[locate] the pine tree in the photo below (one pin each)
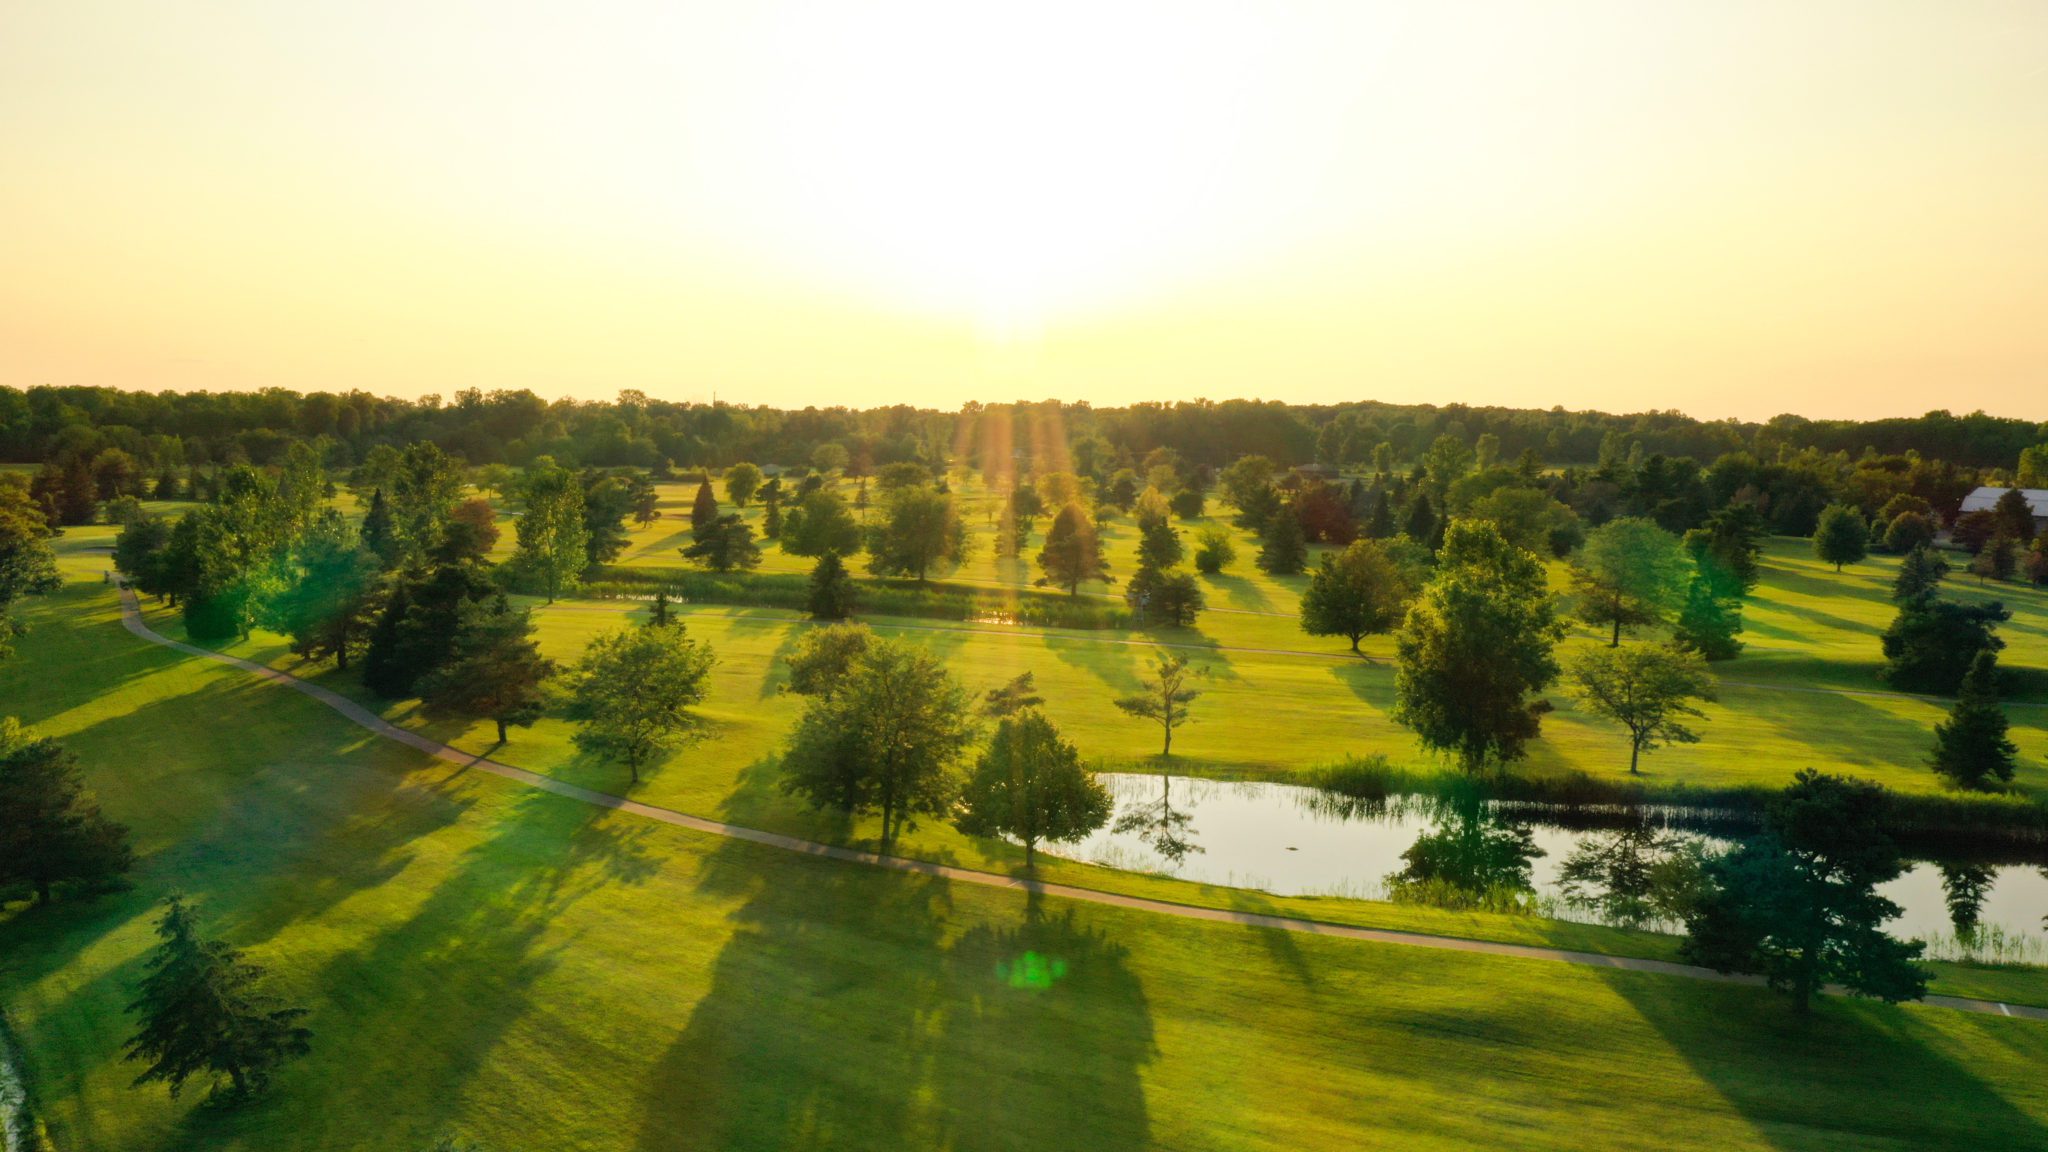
(1422, 522)
(203, 1014)
(725, 544)
(379, 534)
(1381, 525)
(1071, 553)
(832, 593)
(51, 828)
(496, 671)
(771, 518)
(658, 616)
(1920, 576)
(704, 511)
(1708, 624)
(1971, 748)
(1283, 547)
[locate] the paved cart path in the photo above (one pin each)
(131, 617)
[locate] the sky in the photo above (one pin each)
(1730, 208)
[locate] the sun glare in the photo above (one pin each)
(1013, 164)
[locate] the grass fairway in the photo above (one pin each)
(538, 974)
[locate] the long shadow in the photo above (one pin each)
(1787, 1077)
(468, 957)
(1044, 1032)
(814, 1031)
(843, 1013)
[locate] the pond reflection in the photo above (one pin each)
(1630, 868)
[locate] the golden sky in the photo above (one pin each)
(1729, 207)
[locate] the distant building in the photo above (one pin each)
(1321, 472)
(1985, 499)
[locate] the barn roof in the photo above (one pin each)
(1984, 499)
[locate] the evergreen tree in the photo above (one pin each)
(1799, 904)
(1029, 785)
(1842, 536)
(1422, 521)
(415, 633)
(725, 545)
(658, 615)
(1709, 624)
(51, 829)
(1931, 644)
(1159, 545)
(832, 593)
(495, 670)
(1380, 525)
(2015, 516)
(1920, 576)
(1019, 694)
(1728, 548)
(771, 518)
(1283, 547)
(1071, 553)
(203, 1013)
(378, 534)
(703, 510)
(1971, 748)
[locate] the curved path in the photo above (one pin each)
(131, 617)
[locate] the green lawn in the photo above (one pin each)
(538, 974)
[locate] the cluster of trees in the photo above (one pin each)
(885, 731)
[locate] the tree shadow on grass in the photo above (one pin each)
(1241, 592)
(467, 958)
(1855, 1075)
(843, 1013)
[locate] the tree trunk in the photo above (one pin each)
(501, 731)
(1616, 642)
(341, 654)
(1354, 644)
(1029, 855)
(888, 812)
(1635, 753)
(1168, 749)
(633, 766)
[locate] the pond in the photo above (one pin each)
(1295, 841)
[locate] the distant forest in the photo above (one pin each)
(1663, 464)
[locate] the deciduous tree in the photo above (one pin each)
(1359, 592)
(1475, 646)
(1630, 573)
(884, 740)
(634, 692)
(1645, 688)
(1842, 537)
(1163, 697)
(1029, 785)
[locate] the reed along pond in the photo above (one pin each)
(1291, 840)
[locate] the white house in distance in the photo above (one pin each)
(1984, 499)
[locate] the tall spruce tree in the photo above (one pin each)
(1283, 546)
(495, 671)
(203, 1013)
(831, 593)
(1971, 747)
(51, 828)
